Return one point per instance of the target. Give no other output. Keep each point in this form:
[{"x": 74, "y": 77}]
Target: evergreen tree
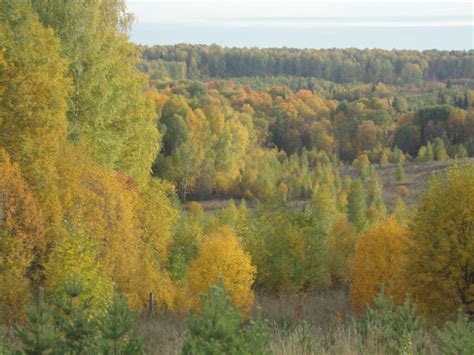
[
  {"x": 457, "y": 338},
  {"x": 38, "y": 336},
  {"x": 74, "y": 321},
  {"x": 116, "y": 330},
  {"x": 217, "y": 328}
]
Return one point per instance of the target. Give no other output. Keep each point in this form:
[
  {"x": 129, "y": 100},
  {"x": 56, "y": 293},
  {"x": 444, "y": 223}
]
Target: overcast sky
[{"x": 415, "y": 24}]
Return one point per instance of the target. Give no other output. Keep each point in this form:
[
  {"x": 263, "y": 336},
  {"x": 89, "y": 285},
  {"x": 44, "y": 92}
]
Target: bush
[{"x": 217, "y": 329}]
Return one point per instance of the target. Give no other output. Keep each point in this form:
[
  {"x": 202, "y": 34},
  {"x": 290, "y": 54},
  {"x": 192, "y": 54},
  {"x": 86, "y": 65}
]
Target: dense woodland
[{"x": 102, "y": 142}]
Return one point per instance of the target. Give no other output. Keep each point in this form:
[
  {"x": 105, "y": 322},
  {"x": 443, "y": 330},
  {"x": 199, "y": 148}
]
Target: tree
[
  {"x": 33, "y": 104},
  {"x": 325, "y": 207},
  {"x": 341, "y": 243},
  {"x": 217, "y": 328},
  {"x": 439, "y": 150},
  {"x": 75, "y": 261},
  {"x": 38, "y": 336},
  {"x": 379, "y": 259},
  {"x": 120, "y": 122},
  {"x": 441, "y": 260},
  {"x": 116, "y": 330},
  {"x": 399, "y": 172},
  {"x": 21, "y": 240},
  {"x": 356, "y": 205},
  {"x": 221, "y": 256}
]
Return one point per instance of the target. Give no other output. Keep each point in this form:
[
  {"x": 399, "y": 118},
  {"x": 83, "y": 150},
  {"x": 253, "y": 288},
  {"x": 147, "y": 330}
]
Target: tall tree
[
  {"x": 107, "y": 106},
  {"x": 33, "y": 103}
]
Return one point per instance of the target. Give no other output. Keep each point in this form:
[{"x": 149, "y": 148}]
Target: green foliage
[
  {"x": 73, "y": 319},
  {"x": 399, "y": 173},
  {"x": 439, "y": 150},
  {"x": 217, "y": 328},
  {"x": 457, "y": 337},
  {"x": 396, "y": 328},
  {"x": 38, "y": 336},
  {"x": 116, "y": 330},
  {"x": 357, "y": 205},
  {"x": 287, "y": 247}
]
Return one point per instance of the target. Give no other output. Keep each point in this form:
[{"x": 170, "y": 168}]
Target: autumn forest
[{"x": 200, "y": 199}]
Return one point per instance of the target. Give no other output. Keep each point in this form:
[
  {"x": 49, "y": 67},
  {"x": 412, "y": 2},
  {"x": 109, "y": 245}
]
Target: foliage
[
  {"x": 341, "y": 243},
  {"x": 287, "y": 248},
  {"x": 379, "y": 258},
  {"x": 357, "y": 205},
  {"x": 74, "y": 320},
  {"x": 221, "y": 256},
  {"x": 38, "y": 336},
  {"x": 33, "y": 104},
  {"x": 21, "y": 239},
  {"x": 217, "y": 328},
  {"x": 440, "y": 267},
  {"x": 456, "y": 337},
  {"x": 119, "y": 124},
  {"x": 116, "y": 330},
  {"x": 396, "y": 328},
  {"x": 76, "y": 260}
]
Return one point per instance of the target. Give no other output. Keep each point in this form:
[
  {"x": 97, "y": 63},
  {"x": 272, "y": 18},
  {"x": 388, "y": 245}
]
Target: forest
[{"x": 325, "y": 239}]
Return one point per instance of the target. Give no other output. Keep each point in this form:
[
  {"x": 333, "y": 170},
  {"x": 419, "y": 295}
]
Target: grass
[{"x": 319, "y": 323}]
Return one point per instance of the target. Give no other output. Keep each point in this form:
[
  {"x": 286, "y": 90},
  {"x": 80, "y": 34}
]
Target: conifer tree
[
  {"x": 38, "y": 336},
  {"x": 116, "y": 330}
]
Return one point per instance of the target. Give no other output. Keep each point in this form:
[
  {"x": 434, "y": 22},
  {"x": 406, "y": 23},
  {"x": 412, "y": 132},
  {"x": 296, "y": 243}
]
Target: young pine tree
[
  {"x": 38, "y": 336},
  {"x": 74, "y": 321},
  {"x": 116, "y": 330},
  {"x": 217, "y": 328}
]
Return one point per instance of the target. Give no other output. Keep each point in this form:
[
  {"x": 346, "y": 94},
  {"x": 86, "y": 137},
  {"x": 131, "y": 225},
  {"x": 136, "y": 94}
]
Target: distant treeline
[{"x": 202, "y": 62}]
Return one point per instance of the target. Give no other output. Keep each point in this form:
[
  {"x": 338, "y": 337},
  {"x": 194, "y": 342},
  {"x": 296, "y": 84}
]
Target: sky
[{"x": 387, "y": 24}]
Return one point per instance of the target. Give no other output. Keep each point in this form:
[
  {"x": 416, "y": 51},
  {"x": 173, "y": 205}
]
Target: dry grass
[{"x": 320, "y": 323}]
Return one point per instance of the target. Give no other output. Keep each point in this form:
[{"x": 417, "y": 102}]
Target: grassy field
[{"x": 320, "y": 323}]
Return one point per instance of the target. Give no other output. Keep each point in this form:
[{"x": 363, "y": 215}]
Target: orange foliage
[
  {"x": 379, "y": 259},
  {"x": 21, "y": 235}
]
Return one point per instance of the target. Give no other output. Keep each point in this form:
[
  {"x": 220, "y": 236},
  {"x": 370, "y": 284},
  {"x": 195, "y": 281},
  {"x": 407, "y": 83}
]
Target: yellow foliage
[
  {"x": 21, "y": 236},
  {"x": 341, "y": 243},
  {"x": 379, "y": 259},
  {"x": 76, "y": 258},
  {"x": 222, "y": 256},
  {"x": 441, "y": 261},
  {"x": 195, "y": 208}
]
